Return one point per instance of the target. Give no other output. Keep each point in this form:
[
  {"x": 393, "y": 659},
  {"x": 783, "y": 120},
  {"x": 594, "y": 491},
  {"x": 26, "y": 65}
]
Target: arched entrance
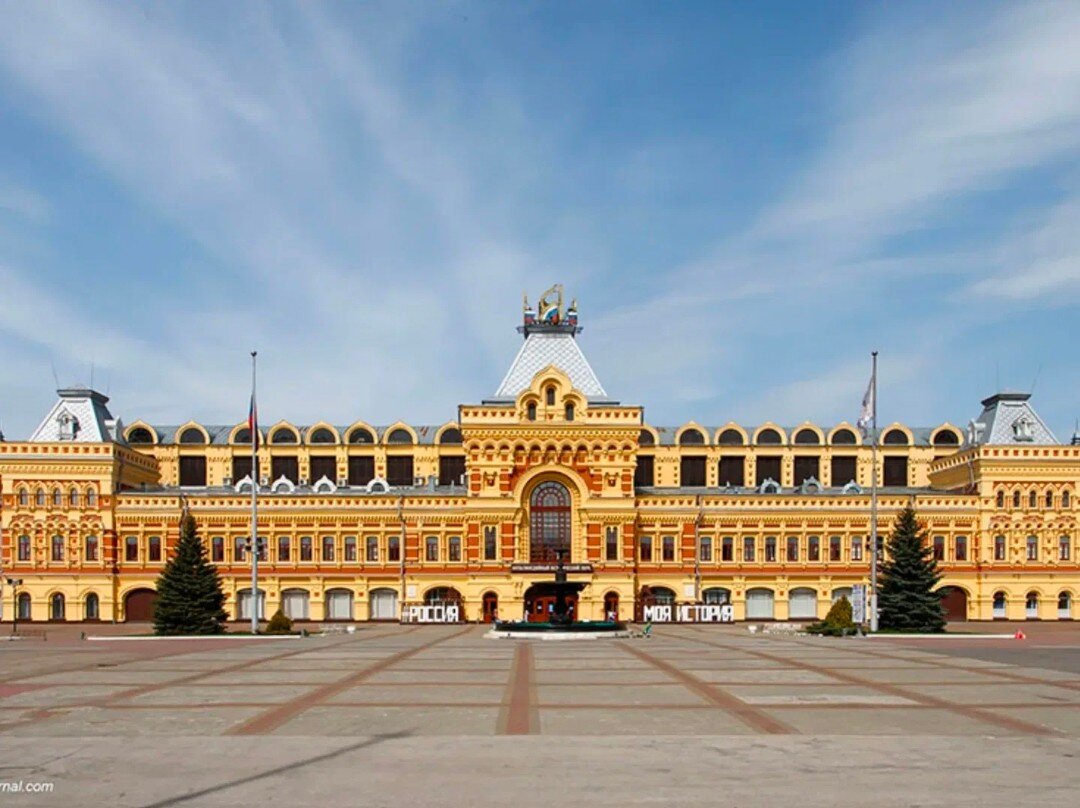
[
  {"x": 954, "y": 602},
  {"x": 540, "y": 604},
  {"x": 139, "y": 605},
  {"x": 491, "y": 607},
  {"x": 611, "y": 606},
  {"x": 383, "y": 604},
  {"x": 549, "y": 522}
]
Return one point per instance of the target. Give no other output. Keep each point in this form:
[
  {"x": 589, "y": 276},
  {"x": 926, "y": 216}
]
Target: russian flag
[{"x": 253, "y": 423}]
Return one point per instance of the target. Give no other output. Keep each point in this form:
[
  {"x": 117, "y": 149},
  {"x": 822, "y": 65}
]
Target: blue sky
[{"x": 744, "y": 198}]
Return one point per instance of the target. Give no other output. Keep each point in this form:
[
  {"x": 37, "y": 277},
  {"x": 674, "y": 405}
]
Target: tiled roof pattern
[
  {"x": 542, "y": 349},
  {"x": 95, "y": 423},
  {"x": 219, "y": 434},
  {"x": 1000, "y": 414}
]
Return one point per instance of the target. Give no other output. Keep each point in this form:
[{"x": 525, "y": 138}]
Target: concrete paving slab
[
  {"x": 407, "y": 721},
  {"x": 625, "y": 695},
  {"x": 422, "y": 694},
  {"x": 242, "y": 692},
  {"x": 892, "y": 721},
  {"x": 640, "y": 722},
  {"x": 83, "y": 722}
]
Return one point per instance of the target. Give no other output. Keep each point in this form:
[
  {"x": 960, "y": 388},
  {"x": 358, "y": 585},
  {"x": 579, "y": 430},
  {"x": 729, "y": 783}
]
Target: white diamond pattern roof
[{"x": 541, "y": 350}]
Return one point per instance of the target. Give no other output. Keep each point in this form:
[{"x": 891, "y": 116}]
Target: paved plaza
[{"x": 440, "y": 715}]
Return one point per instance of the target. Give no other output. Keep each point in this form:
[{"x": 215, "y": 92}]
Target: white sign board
[
  {"x": 690, "y": 613},
  {"x": 858, "y": 603}
]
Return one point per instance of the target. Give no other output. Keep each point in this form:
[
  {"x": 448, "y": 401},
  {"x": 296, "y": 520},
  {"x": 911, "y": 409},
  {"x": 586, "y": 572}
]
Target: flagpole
[
  {"x": 873, "y": 498},
  {"x": 254, "y": 426}
]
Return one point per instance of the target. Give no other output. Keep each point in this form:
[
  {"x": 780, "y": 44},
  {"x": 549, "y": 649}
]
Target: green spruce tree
[
  {"x": 189, "y": 596},
  {"x": 908, "y": 599}
]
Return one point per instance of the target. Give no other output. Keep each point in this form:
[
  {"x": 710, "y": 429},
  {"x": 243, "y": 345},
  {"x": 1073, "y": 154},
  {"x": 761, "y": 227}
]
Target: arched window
[
  {"x": 442, "y": 596},
  {"x": 946, "y": 437},
  {"x": 91, "y": 607},
  {"x": 140, "y": 435},
  {"x": 1049, "y": 499},
  {"x": 895, "y": 437},
  {"x": 399, "y": 435},
  {"x": 807, "y": 437},
  {"x": 645, "y": 438},
  {"x": 768, "y": 437},
  {"x": 361, "y": 435},
  {"x": 192, "y": 435},
  {"x": 1065, "y": 499},
  {"x": 242, "y": 436},
  {"x": 24, "y": 497},
  {"x": 1000, "y": 602},
  {"x": 530, "y": 411},
  {"x": 322, "y": 435},
  {"x": 56, "y": 607},
  {"x": 1064, "y": 606},
  {"x": 57, "y": 497},
  {"x": 716, "y": 596},
  {"x": 1033, "y": 500},
  {"x": 731, "y": 437},
  {"x": 1031, "y": 606},
  {"x": 569, "y": 412},
  {"x": 73, "y": 497},
  {"x": 691, "y": 437},
  {"x": 549, "y": 522},
  {"x": 549, "y": 396},
  {"x": 39, "y": 497},
  {"x": 844, "y": 437},
  {"x": 451, "y": 435},
  {"x": 1016, "y": 499},
  {"x": 1001, "y": 499},
  {"x": 24, "y": 606},
  {"x": 91, "y": 498},
  {"x": 284, "y": 435}
]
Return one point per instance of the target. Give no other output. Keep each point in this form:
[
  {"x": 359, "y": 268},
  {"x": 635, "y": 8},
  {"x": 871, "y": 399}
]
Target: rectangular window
[
  {"x": 644, "y": 472},
  {"x": 491, "y": 546},
  {"x": 155, "y": 548},
  {"x": 91, "y": 549},
  {"x": 217, "y": 549},
  {"x": 1063, "y": 548},
  {"x": 611, "y": 544},
  {"x": 350, "y": 548},
  {"x": 727, "y": 549},
  {"x": 283, "y": 547},
  {"x": 999, "y": 548},
  {"x": 307, "y": 548},
  {"x": 193, "y": 470},
  {"x": 807, "y": 467},
  {"x": 323, "y": 466},
  {"x": 328, "y": 548},
  {"x": 393, "y": 548},
  {"x": 768, "y": 468},
  {"x": 856, "y": 549},
  {"x": 58, "y": 548},
  {"x": 835, "y": 553},
  {"x": 961, "y": 548},
  {"x": 895, "y": 471},
  {"x": 361, "y": 470},
  {"x": 843, "y": 470},
  {"x": 939, "y": 548},
  {"x": 451, "y": 469},
  {"x": 793, "y": 548},
  {"x": 646, "y": 548},
  {"x": 239, "y": 549},
  {"x": 241, "y": 468},
  {"x": 399, "y": 470},
  {"x": 371, "y": 549},
  {"x": 748, "y": 549},
  {"x": 261, "y": 544},
  {"x": 287, "y": 467},
  {"x": 770, "y": 548},
  {"x": 813, "y": 549},
  {"x": 24, "y": 548},
  {"x": 453, "y": 548},
  {"x": 706, "y": 548},
  {"x": 733, "y": 470},
  {"x": 692, "y": 471},
  {"x": 431, "y": 548},
  {"x": 1032, "y": 548},
  {"x": 667, "y": 548},
  {"x": 131, "y": 549}
]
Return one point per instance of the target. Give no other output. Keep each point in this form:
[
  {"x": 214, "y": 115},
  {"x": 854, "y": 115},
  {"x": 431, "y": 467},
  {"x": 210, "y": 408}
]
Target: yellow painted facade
[{"x": 98, "y": 518}]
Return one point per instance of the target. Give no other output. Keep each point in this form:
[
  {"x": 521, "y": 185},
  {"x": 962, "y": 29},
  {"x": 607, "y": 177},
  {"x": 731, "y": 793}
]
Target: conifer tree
[
  {"x": 189, "y": 596},
  {"x": 908, "y": 599}
]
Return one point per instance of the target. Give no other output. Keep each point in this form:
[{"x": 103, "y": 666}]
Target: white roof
[
  {"x": 87, "y": 416},
  {"x": 542, "y": 349},
  {"x": 1009, "y": 418}
]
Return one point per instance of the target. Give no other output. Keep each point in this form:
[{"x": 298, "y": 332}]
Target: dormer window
[
  {"x": 1023, "y": 429},
  {"x": 550, "y": 396},
  {"x": 530, "y": 412},
  {"x": 69, "y": 425},
  {"x": 569, "y": 412}
]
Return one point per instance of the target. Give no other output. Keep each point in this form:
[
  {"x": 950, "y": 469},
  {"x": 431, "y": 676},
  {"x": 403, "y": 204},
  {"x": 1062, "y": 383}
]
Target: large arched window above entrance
[
  {"x": 361, "y": 435},
  {"x": 731, "y": 437},
  {"x": 691, "y": 437},
  {"x": 400, "y": 436},
  {"x": 769, "y": 437},
  {"x": 549, "y": 522}
]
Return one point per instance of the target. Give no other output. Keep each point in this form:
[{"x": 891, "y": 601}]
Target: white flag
[{"x": 869, "y": 406}]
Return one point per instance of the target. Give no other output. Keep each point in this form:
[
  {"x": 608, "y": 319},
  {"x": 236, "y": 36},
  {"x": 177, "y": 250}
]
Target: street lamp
[{"x": 14, "y": 583}]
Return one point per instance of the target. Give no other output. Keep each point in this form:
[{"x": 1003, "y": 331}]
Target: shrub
[
  {"x": 279, "y": 623},
  {"x": 837, "y": 622}
]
